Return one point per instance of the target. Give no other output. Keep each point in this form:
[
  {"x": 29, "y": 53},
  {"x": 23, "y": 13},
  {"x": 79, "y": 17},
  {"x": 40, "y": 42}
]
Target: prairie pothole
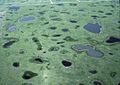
[
  {"x": 10, "y": 27},
  {"x": 97, "y": 82},
  {"x": 16, "y": 64},
  {"x": 36, "y": 60},
  {"x": 66, "y": 63},
  {"x": 9, "y": 43},
  {"x": 88, "y": 49},
  {"x": 27, "y": 19},
  {"x": 93, "y": 71},
  {"x": 14, "y": 8},
  {"x": 94, "y": 28},
  {"x": 112, "y": 39},
  {"x": 28, "y": 75}
]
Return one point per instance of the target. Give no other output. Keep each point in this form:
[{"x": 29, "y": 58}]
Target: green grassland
[{"x": 40, "y": 46}]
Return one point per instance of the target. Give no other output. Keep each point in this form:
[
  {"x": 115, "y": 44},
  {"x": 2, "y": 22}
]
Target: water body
[
  {"x": 8, "y": 44},
  {"x": 113, "y": 40},
  {"x": 95, "y": 53},
  {"x": 80, "y": 47},
  {"x": 10, "y": 27},
  {"x": 87, "y": 48},
  {"x": 94, "y": 28},
  {"x": 27, "y": 19},
  {"x": 14, "y": 8}
]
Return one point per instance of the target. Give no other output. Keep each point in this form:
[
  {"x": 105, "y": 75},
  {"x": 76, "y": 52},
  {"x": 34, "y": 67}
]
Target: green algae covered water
[{"x": 59, "y": 42}]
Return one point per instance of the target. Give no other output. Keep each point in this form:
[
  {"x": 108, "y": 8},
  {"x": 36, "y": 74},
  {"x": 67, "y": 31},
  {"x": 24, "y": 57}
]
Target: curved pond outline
[
  {"x": 27, "y": 19},
  {"x": 94, "y": 28},
  {"x": 88, "y": 49},
  {"x": 11, "y": 27}
]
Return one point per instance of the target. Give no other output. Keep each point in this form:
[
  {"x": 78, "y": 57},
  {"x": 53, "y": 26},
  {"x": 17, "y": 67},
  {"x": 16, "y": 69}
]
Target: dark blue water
[{"x": 94, "y": 28}]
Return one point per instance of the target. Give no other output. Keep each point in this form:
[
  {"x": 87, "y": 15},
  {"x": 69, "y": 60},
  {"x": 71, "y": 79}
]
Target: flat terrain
[{"x": 59, "y": 42}]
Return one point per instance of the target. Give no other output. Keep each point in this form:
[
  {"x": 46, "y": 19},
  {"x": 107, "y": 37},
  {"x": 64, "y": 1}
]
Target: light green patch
[{"x": 42, "y": 44}]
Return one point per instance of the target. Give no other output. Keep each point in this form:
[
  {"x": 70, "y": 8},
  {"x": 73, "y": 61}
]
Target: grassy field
[{"x": 59, "y": 42}]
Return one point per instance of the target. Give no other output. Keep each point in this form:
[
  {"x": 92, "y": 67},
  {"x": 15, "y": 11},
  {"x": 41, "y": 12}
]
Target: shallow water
[
  {"x": 94, "y": 28},
  {"x": 10, "y": 27},
  {"x": 88, "y": 49},
  {"x": 26, "y": 19},
  {"x": 59, "y": 42},
  {"x": 14, "y": 8}
]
